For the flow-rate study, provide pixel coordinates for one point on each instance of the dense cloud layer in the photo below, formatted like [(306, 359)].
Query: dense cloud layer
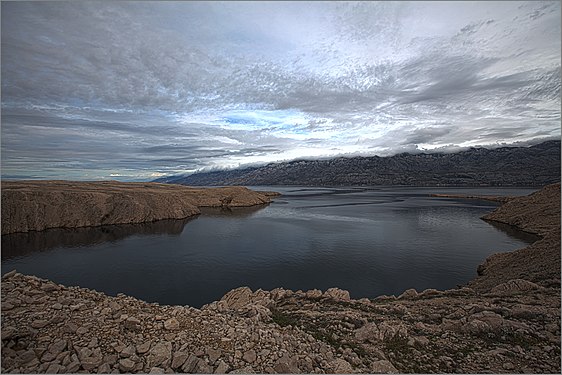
[(135, 90)]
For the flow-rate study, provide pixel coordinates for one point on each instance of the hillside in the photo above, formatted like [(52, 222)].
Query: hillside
[(538, 165), (38, 205)]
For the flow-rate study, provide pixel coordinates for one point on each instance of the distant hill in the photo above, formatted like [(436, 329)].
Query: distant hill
[(537, 165)]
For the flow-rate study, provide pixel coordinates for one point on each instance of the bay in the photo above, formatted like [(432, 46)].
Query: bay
[(370, 241)]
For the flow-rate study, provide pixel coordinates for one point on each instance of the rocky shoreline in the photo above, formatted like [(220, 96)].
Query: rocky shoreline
[(38, 205), (507, 320)]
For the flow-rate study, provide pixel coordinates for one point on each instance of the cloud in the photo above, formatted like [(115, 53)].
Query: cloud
[(92, 89)]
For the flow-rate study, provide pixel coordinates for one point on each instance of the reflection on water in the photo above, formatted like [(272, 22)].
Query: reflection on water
[(513, 232), (370, 241), (20, 244)]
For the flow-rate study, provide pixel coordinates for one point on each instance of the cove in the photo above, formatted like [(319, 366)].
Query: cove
[(370, 241)]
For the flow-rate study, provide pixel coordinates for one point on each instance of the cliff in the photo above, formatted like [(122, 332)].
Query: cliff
[(38, 205), (506, 166), (505, 321)]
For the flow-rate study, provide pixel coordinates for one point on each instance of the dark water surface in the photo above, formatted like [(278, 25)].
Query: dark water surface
[(370, 241)]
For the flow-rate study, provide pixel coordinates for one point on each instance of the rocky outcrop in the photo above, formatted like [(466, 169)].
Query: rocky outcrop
[(537, 213), (496, 324), (39, 205)]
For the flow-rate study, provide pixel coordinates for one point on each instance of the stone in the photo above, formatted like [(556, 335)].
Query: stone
[(53, 368), (128, 351), (105, 368), (237, 298), (69, 327), (408, 294), (58, 347), (222, 368), (369, 332), (7, 306), (49, 287), (144, 347), (26, 356), (341, 366), (508, 366), (179, 359), (249, 356), (171, 324), (132, 324), (514, 286), (383, 367), (203, 368), (91, 363), (39, 323), (213, 354), (7, 333), (156, 370), (73, 367), (314, 293), (160, 354), (286, 365), (8, 275), (190, 364), (337, 294), (243, 370), (126, 365)]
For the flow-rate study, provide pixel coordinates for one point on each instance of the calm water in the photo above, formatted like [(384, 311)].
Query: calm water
[(370, 241)]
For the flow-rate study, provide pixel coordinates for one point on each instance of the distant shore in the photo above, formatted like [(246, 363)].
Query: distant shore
[(38, 205)]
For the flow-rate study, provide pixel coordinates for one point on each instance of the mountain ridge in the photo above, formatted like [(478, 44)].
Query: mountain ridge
[(536, 165)]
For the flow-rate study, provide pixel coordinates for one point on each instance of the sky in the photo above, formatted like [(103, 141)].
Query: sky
[(139, 90)]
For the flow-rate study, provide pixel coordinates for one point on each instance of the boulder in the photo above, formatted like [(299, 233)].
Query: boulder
[(238, 298), (337, 294), (514, 286), (383, 367)]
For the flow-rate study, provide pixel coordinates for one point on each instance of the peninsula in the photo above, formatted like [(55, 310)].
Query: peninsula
[(38, 205)]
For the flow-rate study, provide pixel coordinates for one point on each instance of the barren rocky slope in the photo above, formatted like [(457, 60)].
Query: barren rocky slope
[(505, 166), (505, 324), (38, 205)]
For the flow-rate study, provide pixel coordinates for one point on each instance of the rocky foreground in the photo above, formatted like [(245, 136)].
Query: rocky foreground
[(38, 205), (505, 321)]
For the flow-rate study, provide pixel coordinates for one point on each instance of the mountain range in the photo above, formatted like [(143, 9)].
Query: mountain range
[(537, 165)]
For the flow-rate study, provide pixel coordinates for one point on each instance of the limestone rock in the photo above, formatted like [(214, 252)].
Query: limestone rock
[(179, 359), (132, 323), (286, 365), (249, 356), (340, 366), (237, 298), (126, 365), (144, 347), (160, 354), (314, 293), (172, 324), (222, 368), (514, 286), (337, 294), (383, 367), (408, 294)]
